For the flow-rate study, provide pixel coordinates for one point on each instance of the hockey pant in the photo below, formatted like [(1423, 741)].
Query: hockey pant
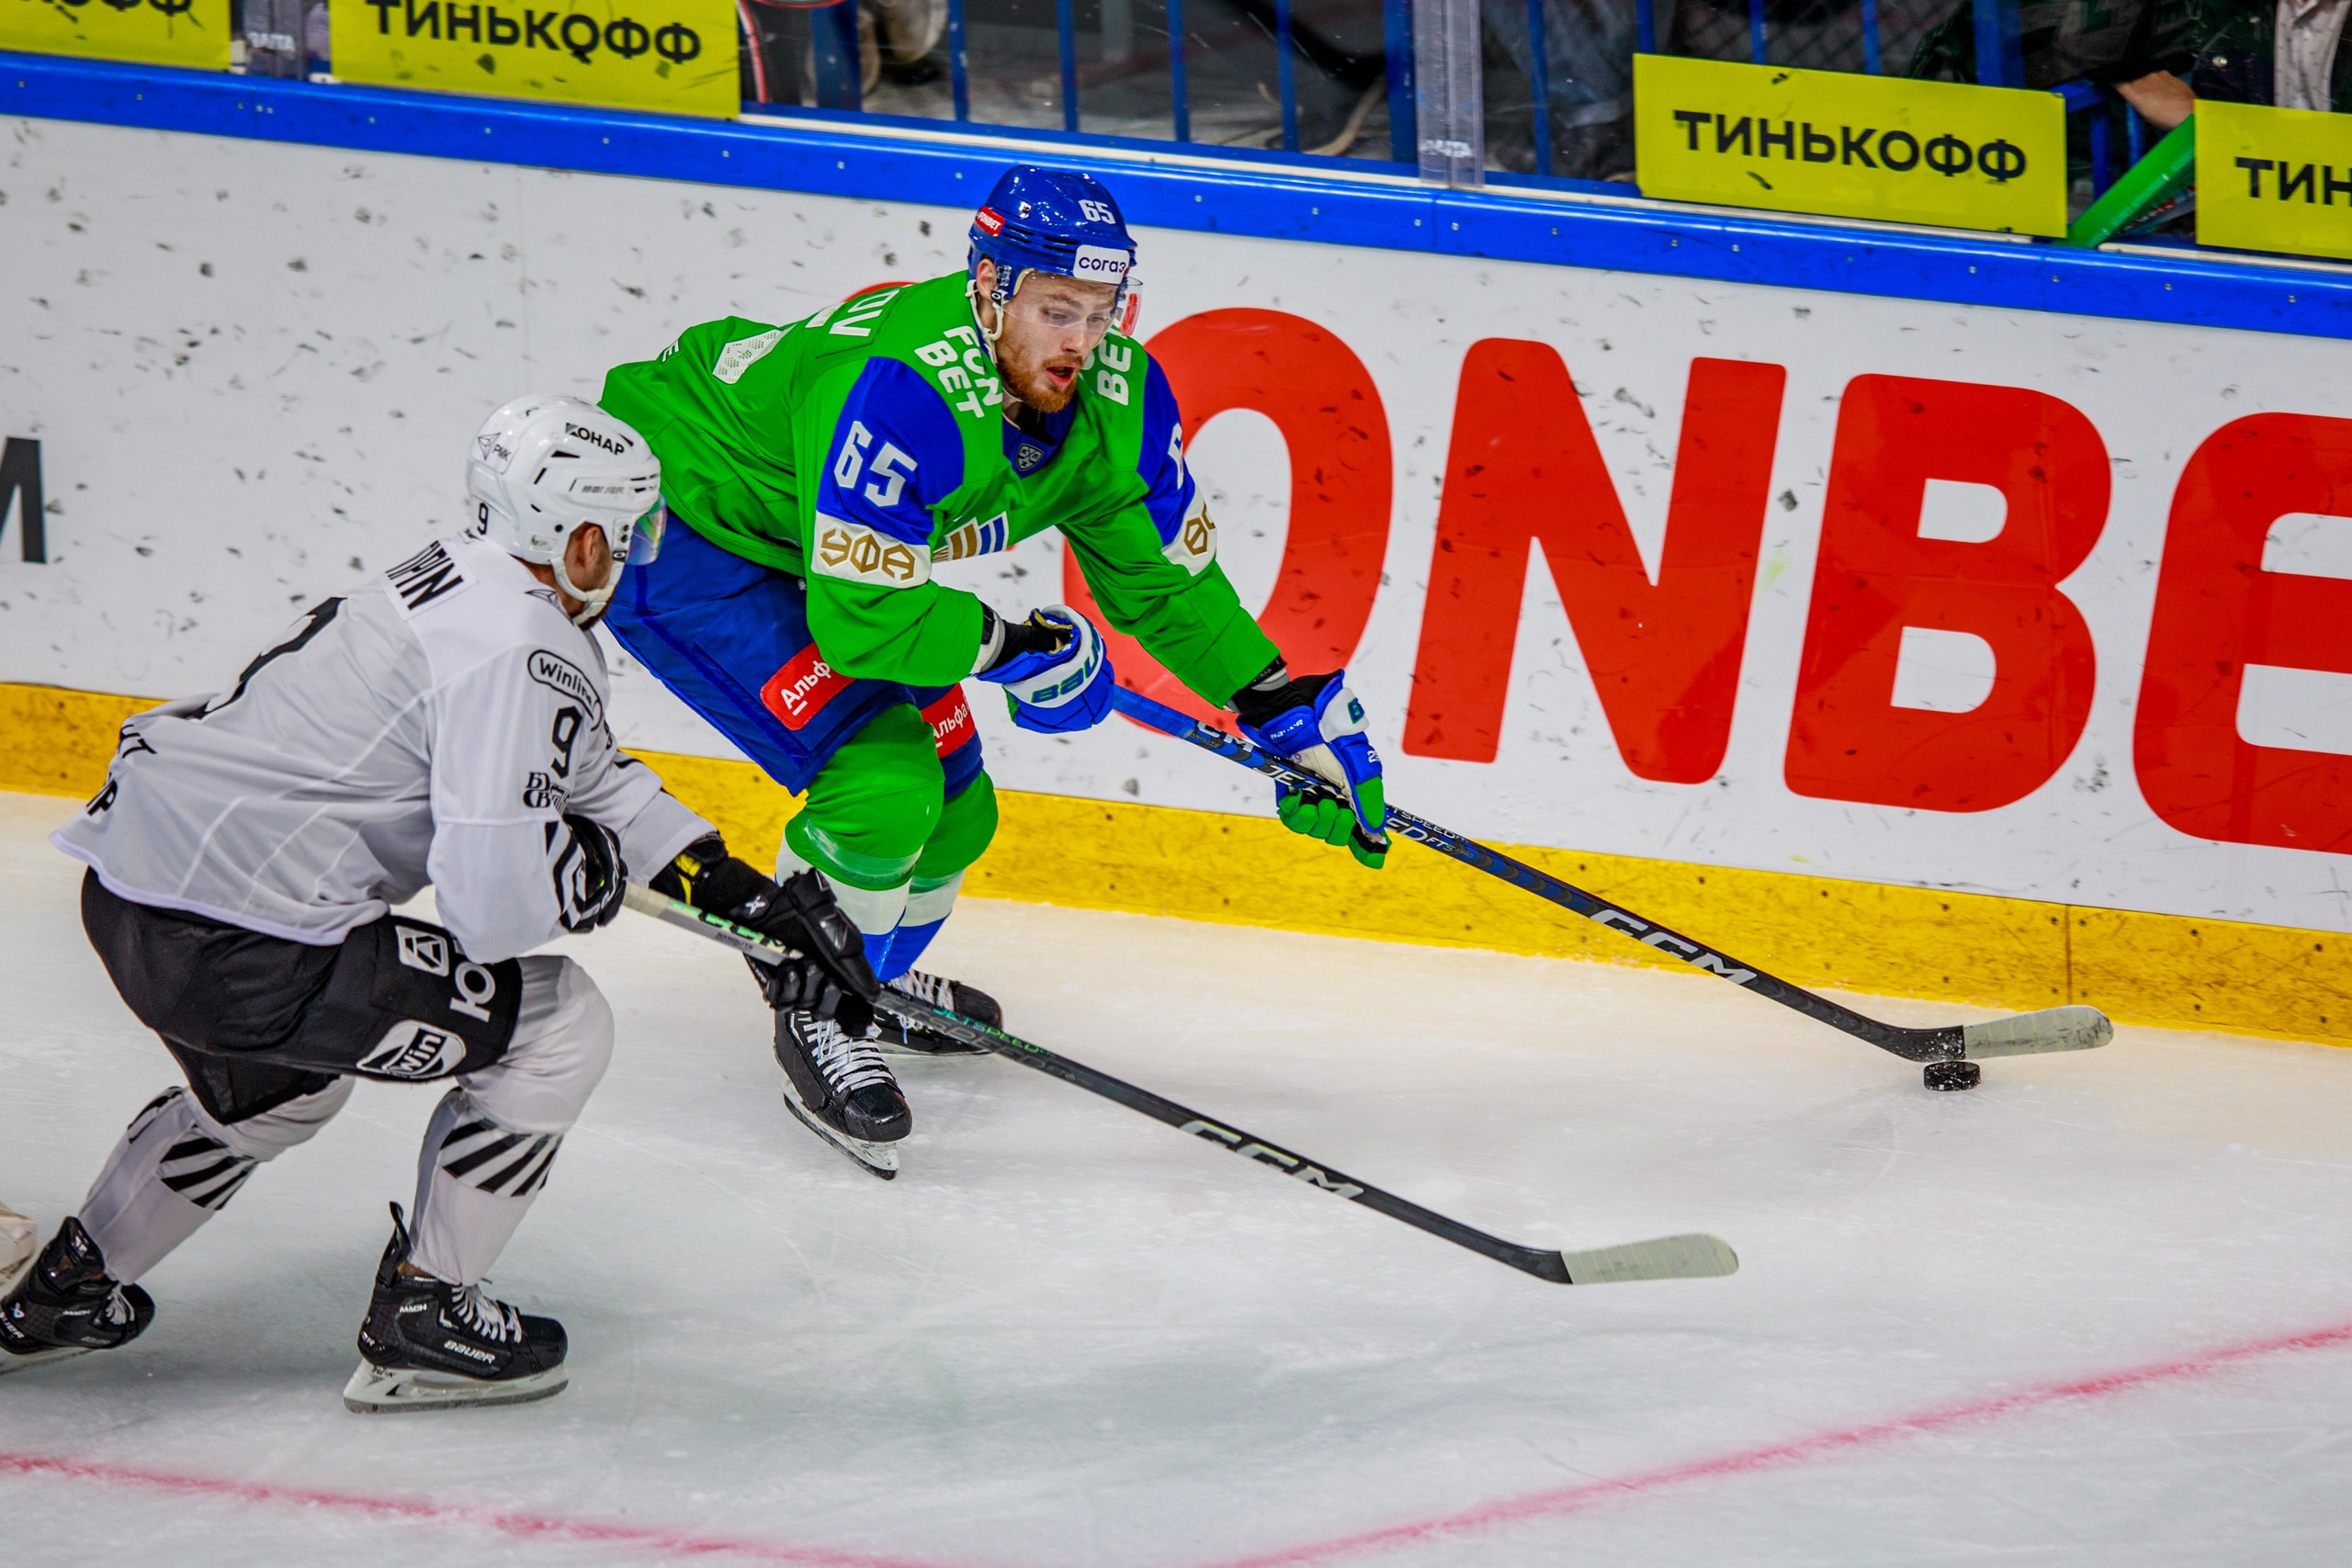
[(521, 1078), (899, 803)]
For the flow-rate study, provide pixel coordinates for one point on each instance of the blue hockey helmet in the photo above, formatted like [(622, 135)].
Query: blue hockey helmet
[(1057, 221)]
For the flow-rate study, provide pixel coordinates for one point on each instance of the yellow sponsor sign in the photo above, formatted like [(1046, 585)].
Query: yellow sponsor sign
[(1848, 145), (2274, 179), (151, 32), (670, 56)]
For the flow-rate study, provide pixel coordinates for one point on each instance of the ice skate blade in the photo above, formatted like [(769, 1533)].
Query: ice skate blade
[(940, 1046), (12, 1362), (879, 1160), (381, 1391)]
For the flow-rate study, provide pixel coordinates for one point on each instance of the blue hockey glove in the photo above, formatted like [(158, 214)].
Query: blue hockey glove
[(1317, 723), (1054, 671)]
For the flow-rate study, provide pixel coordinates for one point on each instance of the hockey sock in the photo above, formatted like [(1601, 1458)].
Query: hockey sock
[(475, 1180), (175, 1168), (927, 910), (493, 1137), (967, 824)]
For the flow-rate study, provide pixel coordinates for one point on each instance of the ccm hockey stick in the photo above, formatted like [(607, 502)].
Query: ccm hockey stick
[(1665, 1257), (1945, 1050)]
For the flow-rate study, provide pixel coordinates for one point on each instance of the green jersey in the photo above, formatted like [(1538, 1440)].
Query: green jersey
[(858, 447)]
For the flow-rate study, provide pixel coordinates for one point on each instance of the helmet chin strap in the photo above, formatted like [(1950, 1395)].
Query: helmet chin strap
[(593, 600), (1001, 297)]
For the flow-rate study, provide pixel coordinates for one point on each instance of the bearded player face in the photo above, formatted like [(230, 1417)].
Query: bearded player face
[(1049, 327)]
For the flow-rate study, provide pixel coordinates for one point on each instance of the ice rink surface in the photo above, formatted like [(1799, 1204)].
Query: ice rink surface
[(2096, 1312)]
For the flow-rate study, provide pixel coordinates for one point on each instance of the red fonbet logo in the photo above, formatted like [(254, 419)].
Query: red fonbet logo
[(803, 686), (990, 220), (951, 723)]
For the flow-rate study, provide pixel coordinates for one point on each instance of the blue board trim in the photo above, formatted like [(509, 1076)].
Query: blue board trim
[(1267, 200)]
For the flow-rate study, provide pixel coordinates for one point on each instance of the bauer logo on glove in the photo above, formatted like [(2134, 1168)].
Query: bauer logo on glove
[(1054, 669), (1317, 723)]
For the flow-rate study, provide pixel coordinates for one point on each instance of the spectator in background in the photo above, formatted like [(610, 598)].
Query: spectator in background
[(2286, 54), (2138, 47)]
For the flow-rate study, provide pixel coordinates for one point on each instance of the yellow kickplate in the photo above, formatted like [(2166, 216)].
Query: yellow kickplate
[(1201, 865)]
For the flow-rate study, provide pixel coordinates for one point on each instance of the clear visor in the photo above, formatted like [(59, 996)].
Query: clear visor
[(644, 536), (1058, 313)]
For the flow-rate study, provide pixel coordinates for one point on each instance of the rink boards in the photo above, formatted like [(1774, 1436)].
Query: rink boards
[(1928, 646)]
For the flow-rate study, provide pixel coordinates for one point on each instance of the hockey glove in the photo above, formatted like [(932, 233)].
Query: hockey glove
[(589, 875), (1053, 667), (1317, 723), (830, 979)]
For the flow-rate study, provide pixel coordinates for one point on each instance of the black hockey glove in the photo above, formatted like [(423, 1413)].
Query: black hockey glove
[(589, 875), (830, 977)]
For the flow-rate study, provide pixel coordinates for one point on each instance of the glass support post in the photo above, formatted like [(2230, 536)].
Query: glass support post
[(1539, 82), (1450, 95), (1397, 42), (1286, 75), (833, 44), (959, 76), (2000, 57), (1755, 32), (1870, 60), (1177, 94), (1066, 34)]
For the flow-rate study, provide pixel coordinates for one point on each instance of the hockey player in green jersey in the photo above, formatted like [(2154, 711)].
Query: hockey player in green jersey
[(820, 469)]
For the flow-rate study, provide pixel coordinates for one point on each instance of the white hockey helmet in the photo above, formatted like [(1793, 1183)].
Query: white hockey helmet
[(544, 465)]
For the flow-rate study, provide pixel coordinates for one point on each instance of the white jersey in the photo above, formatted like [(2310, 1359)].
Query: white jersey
[(431, 726)]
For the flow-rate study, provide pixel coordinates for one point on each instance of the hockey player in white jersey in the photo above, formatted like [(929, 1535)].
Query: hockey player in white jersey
[(443, 724)]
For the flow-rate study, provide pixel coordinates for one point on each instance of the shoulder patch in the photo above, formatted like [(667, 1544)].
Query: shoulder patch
[(425, 576), (1194, 546), (561, 675), (744, 352)]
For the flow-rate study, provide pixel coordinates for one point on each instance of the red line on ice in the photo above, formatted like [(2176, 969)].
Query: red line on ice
[(1552, 1503), (1549, 1504), (544, 1527)]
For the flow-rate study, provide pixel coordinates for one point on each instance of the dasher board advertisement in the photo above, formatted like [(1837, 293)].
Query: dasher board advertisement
[(1850, 146), (2274, 179), (193, 33), (1982, 599), (668, 56)]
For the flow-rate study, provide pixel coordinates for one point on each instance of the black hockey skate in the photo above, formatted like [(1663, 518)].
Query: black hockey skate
[(429, 1345), (936, 990), (66, 1306), (839, 1086)]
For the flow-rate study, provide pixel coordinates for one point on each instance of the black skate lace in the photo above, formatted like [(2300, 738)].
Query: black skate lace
[(487, 1316), (937, 990), (848, 1065)]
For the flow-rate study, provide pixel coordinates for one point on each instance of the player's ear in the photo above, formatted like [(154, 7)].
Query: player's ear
[(586, 547)]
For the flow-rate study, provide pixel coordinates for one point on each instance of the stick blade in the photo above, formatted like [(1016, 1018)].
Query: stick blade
[(1663, 1258), (2033, 1033)]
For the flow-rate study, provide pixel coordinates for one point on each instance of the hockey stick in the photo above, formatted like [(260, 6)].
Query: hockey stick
[(2051, 1029), (1664, 1258)]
